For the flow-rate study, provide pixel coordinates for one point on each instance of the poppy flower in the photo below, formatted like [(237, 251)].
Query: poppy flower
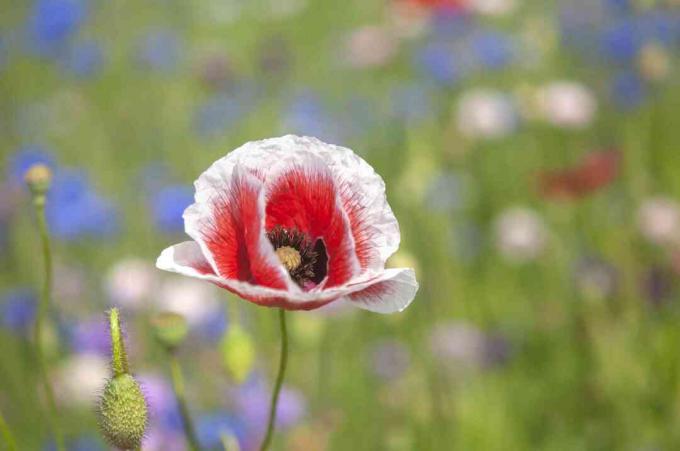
[(598, 169), (295, 223)]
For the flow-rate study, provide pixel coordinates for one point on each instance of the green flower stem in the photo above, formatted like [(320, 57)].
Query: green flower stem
[(283, 362), (7, 435), (178, 386), (43, 308)]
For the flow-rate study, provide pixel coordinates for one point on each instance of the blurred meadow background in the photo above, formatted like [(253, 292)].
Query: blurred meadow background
[(531, 154)]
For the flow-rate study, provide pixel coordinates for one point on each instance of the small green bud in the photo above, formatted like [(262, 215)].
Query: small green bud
[(238, 352), (122, 412), (38, 178), (170, 329)]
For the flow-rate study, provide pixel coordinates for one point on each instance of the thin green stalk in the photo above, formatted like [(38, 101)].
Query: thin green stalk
[(283, 362), (43, 308), (178, 386), (7, 435)]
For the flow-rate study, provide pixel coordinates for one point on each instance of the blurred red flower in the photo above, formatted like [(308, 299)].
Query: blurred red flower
[(449, 5), (596, 170)]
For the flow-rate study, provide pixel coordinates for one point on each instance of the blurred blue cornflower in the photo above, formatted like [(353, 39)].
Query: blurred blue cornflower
[(164, 412), (17, 309), (83, 59), (412, 102), (493, 49), (218, 114), (252, 401), (307, 114), (211, 426), (75, 210), (212, 328), (91, 336), (436, 61), (627, 90), (51, 23), (621, 41), (657, 286), (159, 50), (24, 158), (167, 204)]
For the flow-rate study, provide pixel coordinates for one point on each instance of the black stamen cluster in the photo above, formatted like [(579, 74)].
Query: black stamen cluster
[(280, 236)]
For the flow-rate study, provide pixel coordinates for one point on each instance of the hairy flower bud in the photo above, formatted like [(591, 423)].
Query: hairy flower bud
[(170, 329), (123, 412), (38, 178)]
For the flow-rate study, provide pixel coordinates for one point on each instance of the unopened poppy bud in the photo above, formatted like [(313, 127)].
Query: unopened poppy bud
[(123, 412), (170, 329), (38, 178)]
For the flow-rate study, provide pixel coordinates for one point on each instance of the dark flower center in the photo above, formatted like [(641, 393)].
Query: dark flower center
[(305, 260)]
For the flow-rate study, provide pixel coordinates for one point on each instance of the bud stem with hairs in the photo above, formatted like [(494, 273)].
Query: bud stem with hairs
[(38, 179), (123, 413)]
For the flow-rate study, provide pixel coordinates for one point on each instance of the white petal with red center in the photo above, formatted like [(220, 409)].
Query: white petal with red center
[(187, 259), (228, 225)]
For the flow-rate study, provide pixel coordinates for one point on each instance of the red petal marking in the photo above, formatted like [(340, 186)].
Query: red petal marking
[(306, 199), (362, 231), (235, 238), (595, 171)]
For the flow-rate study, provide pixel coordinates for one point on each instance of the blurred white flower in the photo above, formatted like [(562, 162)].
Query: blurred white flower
[(492, 7), (370, 46), (80, 379), (407, 19), (196, 300), (566, 104), (388, 359), (659, 220), (130, 282), (458, 346), (521, 234), (486, 113)]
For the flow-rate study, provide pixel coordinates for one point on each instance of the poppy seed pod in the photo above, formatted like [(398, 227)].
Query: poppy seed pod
[(123, 412)]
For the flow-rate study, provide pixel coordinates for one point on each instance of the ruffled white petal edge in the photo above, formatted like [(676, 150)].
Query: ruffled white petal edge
[(387, 291), (347, 168)]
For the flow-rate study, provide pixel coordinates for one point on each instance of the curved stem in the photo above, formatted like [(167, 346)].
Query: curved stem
[(7, 435), (43, 307), (178, 386), (279, 381)]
